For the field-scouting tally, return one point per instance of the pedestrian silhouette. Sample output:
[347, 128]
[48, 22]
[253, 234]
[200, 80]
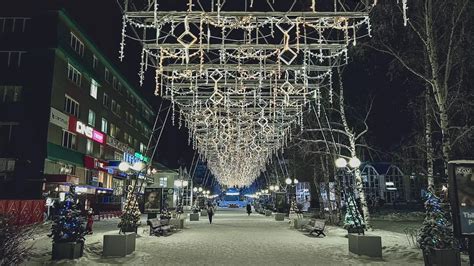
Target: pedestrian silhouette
[210, 212]
[249, 209]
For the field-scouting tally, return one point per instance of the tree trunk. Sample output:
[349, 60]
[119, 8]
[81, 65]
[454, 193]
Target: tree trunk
[352, 141]
[428, 139]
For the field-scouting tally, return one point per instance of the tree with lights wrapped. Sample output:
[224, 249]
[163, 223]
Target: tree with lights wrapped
[353, 220]
[436, 233]
[68, 229]
[130, 219]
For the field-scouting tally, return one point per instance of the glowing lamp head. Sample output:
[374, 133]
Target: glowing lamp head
[138, 166]
[288, 181]
[341, 163]
[277, 188]
[124, 166]
[195, 189]
[185, 183]
[200, 189]
[295, 181]
[354, 162]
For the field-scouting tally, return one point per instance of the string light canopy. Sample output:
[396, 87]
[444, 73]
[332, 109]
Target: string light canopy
[240, 73]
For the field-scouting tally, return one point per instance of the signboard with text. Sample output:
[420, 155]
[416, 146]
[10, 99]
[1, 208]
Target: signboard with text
[79, 127]
[58, 118]
[461, 192]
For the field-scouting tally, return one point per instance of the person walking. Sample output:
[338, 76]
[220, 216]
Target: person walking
[210, 212]
[249, 209]
[90, 220]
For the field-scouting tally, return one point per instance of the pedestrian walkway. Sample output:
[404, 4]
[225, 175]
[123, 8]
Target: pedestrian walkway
[234, 238]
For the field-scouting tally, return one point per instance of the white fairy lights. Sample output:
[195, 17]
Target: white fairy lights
[241, 79]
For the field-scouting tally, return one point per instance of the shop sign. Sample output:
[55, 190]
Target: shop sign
[83, 129]
[58, 118]
[94, 163]
[141, 157]
[130, 158]
[113, 142]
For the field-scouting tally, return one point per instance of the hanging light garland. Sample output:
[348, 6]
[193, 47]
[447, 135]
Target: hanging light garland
[239, 80]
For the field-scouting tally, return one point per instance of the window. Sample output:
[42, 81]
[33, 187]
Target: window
[13, 24]
[126, 116]
[142, 148]
[113, 131]
[107, 75]
[114, 83]
[120, 89]
[7, 165]
[104, 125]
[10, 93]
[125, 136]
[89, 146]
[117, 131]
[118, 109]
[71, 106]
[163, 181]
[91, 118]
[69, 140]
[74, 75]
[131, 120]
[135, 143]
[118, 156]
[13, 58]
[8, 132]
[94, 88]
[101, 151]
[105, 100]
[76, 44]
[113, 105]
[95, 62]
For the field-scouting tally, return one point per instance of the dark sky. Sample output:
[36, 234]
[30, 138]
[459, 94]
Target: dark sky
[388, 123]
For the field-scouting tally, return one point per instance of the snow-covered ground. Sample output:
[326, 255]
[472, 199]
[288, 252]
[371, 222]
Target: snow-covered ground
[236, 239]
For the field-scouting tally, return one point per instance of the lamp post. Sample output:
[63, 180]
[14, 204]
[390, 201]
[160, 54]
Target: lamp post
[180, 184]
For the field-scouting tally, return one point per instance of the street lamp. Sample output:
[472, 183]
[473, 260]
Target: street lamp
[293, 182]
[353, 163]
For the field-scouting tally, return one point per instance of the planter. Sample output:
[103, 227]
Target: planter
[365, 245]
[204, 213]
[178, 223]
[279, 216]
[356, 230]
[300, 222]
[442, 257]
[268, 213]
[68, 250]
[129, 229]
[194, 216]
[119, 245]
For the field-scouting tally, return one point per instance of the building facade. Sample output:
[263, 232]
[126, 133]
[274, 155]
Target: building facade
[66, 112]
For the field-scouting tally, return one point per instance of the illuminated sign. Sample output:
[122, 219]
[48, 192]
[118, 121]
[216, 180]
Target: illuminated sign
[83, 129]
[141, 157]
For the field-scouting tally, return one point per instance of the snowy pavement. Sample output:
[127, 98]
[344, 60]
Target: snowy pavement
[235, 239]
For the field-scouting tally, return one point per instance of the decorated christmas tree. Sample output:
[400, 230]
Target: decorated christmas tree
[353, 220]
[130, 218]
[436, 232]
[68, 225]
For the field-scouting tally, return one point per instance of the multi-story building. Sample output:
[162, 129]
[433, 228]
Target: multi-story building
[65, 110]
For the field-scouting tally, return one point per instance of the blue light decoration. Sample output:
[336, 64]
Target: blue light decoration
[437, 232]
[68, 225]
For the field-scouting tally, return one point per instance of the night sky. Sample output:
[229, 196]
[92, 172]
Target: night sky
[389, 123]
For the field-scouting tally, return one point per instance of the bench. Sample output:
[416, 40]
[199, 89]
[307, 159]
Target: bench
[316, 226]
[160, 227]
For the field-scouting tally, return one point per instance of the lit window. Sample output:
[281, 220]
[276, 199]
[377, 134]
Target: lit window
[71, 106]
[117, 111]
[94, 89]
[77, 45]
[163, 181]
[89, 146]
[104, 126]
[13, 58]
[112, 130]
[113, 105]
[91, 118]
[142, 148]
[74, 75]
